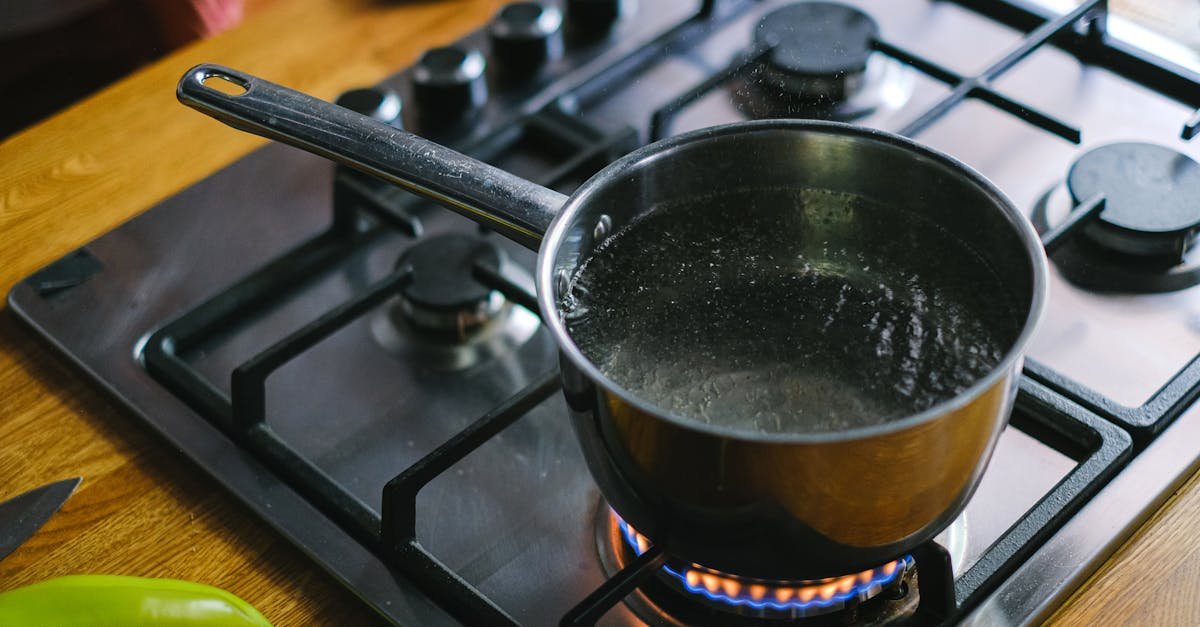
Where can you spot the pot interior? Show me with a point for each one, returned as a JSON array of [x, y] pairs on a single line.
[[820, 279]]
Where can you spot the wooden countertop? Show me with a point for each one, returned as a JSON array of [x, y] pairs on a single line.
[[143, 509]]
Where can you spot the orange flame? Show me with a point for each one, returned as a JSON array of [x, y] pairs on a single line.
[[698, 577]]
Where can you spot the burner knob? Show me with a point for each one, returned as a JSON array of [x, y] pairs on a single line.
[[594, 18], [376, 102], [448, 86], [525, 35]]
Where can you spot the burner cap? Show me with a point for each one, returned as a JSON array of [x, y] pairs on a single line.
[[444, 318], [443, 294], [819, 65], [442, 268], [1152, 198], [1090, 266], [817, 39]]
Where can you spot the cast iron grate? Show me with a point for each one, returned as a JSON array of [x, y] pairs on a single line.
[[978, 86], [1090, 46], [1098, 447], [242, 414]]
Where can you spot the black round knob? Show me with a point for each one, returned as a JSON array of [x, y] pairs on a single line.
[[594, 18], [448, 85], [377, 102], [525, 35]]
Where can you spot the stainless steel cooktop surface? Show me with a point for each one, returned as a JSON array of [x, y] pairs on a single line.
[[165, 309]]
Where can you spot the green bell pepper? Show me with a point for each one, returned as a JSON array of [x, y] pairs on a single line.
[[112, 601]]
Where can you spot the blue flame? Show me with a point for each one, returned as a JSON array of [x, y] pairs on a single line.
[[859, 589]]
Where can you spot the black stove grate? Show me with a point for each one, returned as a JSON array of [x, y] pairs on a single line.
[[1090, 46], [1098, 447], [243, 413], [398, 524], [978, 86]]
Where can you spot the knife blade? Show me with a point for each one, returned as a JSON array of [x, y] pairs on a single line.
[[22, 515]]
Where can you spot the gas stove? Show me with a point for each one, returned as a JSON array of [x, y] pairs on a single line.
[[367, 371]]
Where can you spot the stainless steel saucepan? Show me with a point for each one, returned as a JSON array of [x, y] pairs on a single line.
[[792, 505]]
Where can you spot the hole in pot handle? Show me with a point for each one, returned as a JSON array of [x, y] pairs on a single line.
[[505, 203], [228, 85]]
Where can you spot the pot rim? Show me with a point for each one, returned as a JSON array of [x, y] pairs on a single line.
[[558, 230]]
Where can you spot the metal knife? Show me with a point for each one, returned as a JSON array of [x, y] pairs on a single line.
[[22, 515]]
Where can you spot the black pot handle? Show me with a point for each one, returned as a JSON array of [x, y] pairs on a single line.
[[508, 204]]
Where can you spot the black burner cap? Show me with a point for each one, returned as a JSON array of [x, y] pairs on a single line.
[[442, 267], [817, 38], [1152, 197]]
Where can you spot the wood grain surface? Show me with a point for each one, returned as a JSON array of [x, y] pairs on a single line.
[[143, 508]]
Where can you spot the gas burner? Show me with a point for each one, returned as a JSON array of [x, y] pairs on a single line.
[[820, 65], [688, 593], [785, 599], [1151, 199], [444, 317], [1141, 242]]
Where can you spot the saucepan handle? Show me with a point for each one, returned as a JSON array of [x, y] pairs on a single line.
[[508, 204]]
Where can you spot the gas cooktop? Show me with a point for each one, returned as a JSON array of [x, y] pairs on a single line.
[[409, 436]]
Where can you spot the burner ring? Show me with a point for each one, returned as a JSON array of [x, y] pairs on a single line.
[[886, 85]]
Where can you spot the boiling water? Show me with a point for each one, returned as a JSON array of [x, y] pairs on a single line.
[[788, 311]]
